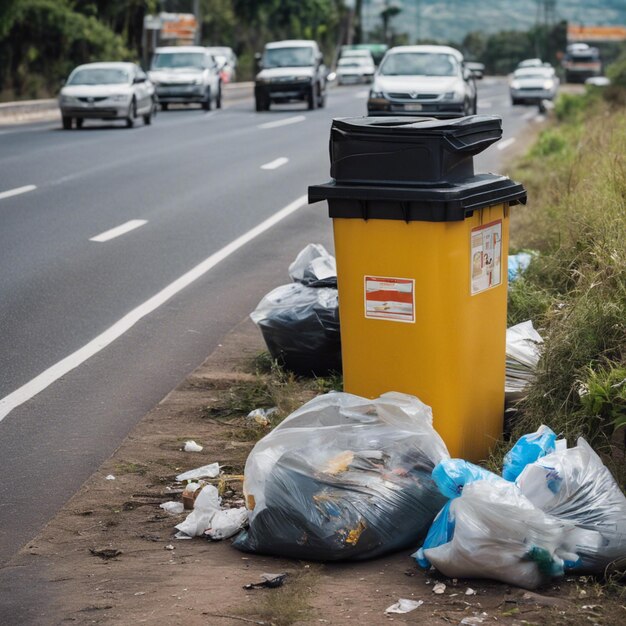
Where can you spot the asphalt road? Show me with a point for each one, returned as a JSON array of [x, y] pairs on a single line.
[[96, 332]]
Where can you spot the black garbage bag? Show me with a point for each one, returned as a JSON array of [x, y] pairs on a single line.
[[344, 478], [300, 326]]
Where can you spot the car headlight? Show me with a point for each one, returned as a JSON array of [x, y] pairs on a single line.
[[119, 97], [376, 94], [197, 81], [514, 85], [68, 100], [453, 95], [548, 84], [263, 81], [303, 79]]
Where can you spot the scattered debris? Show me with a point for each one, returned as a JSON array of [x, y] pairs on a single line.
[[470, 592], [105, 553], [474, 619], [110, 477], [269, 581], [439, 588], [192, 446], [181, 535], [262, 416], [523, 349], [206, 471], [226, 523], [173, 508], [404, 606], [169, 546]]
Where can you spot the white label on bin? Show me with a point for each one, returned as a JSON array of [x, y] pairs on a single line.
[[390, 298], [486, 257]]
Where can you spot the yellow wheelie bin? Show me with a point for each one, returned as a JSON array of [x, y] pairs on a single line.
[[421, 245]]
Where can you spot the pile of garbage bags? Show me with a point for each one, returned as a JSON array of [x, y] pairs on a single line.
[[300, 321], [523, 349], [555, 510], [344, 478]]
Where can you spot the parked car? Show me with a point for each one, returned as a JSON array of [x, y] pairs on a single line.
[[532, 85], [106, 91], [186, 74], [226, 60], [423, 80], [291, 71], [355, 69]]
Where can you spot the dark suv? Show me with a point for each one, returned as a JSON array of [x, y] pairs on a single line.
[[291, 71]]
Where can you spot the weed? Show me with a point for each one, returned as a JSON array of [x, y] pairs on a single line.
[[128, 467]]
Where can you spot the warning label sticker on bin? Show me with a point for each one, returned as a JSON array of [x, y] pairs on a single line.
[[390, 298], [486, 257]]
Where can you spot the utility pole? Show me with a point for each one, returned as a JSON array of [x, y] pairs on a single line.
[[196, 12], [418, 8]]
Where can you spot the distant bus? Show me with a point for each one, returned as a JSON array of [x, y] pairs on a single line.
[[377, 49], [581, 61]]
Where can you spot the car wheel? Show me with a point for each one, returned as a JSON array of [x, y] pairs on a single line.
[[206, 103], [467, 108], [132, 114], [164, 106], [514, 101], [67, 122], [218, 100], [322, 99], [312, 98], [79, 122], [147, 118], [475, 107]]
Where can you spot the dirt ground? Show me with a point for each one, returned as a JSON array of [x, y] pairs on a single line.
[[59, 580]]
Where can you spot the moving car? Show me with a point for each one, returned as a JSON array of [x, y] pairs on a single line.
[[477, 69], [423, 80], [580, 62], [355, 69], [291, 71], [186, 74], [529, 63], [532, 85], [226, 60], [106, 91]]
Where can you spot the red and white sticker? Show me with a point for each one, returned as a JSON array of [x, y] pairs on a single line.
[[486, 257], [390, 298]]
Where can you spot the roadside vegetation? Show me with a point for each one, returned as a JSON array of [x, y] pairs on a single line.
[[575, 288]]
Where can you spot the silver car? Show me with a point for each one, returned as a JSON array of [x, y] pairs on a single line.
[[532, 85], [355, 69], [107, 91], [423, 80]]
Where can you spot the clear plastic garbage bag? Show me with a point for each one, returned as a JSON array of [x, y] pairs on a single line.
[[344, 478], [499, 534], [315, 267], [527, 449], [574, 485], [518, 264], [523, 350], [300, 326]]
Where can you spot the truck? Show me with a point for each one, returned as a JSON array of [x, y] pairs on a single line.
[[581, 62]]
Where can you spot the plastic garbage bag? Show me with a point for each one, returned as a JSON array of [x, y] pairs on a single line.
[[344, 478], [575, 485], [314, 267], [528, 449], [499, 534], [450, 476], [207, 504], [300, 326], [226, 523], [518, 264], [523, 349]]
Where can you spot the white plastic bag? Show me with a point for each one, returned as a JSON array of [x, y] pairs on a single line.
[[500, 534], [523, 350], [314, 267], [575, 485], [206, 505], [226, 523], [343, 478]]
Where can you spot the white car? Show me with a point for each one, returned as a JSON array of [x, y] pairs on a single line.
[[186, 74], [106, 91], [532, 85], [355, 69], [423, 80], [226, 61]]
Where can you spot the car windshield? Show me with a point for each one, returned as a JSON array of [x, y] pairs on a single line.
[[288, 57], [354, 62], [99, 76], [419, 64], [177, 60]]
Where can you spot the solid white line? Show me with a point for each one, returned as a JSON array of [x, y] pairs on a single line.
[[506, 143], [17, 191], [284, 122], [122, 229], [56, 371], [276, 163]]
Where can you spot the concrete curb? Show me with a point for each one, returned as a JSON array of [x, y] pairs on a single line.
[[48, 109]]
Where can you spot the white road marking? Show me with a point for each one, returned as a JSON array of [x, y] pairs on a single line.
[[284, 122], [122, 229], [56, 371], [275, 164], [506, 143], [17, 191]]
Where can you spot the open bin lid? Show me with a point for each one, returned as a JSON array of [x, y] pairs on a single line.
[[408, 150]]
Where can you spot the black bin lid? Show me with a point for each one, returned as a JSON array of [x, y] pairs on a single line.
[[408, 151]]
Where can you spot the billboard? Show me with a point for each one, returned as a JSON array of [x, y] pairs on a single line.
[[576, 32]]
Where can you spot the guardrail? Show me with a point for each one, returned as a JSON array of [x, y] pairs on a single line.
[[32, 110]]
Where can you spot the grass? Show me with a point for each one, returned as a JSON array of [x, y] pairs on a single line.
[[575, 288]]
